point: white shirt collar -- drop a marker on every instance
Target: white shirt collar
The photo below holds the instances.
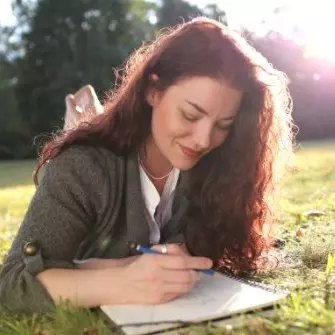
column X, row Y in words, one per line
column 150, row 194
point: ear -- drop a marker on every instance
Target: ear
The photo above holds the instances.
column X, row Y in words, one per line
column 152, row 94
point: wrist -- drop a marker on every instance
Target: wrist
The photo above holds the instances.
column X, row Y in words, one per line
column 113, row 288
column 102, row 263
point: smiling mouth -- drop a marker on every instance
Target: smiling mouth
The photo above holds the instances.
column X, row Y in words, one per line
column 189, row 152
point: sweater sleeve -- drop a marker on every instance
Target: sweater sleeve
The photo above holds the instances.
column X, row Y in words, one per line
column 61, row 214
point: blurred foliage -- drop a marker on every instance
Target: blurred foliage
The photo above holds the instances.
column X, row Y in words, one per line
column 71, row 43
column 172, row 12
column 58, row 46
column 13, row 132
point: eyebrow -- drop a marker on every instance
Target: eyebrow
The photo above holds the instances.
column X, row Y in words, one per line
column 203, row 111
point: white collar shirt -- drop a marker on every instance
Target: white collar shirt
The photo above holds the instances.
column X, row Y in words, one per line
column 158, row 209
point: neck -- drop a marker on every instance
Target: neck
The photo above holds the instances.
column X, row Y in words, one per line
column 154, row 161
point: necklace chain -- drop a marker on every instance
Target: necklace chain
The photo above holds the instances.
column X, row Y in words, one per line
column 150, row 175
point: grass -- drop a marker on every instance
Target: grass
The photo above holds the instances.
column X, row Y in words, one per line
column 16, row 189
column 306, row 222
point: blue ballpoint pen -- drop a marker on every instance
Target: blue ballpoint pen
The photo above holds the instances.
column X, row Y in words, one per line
column 146, row 250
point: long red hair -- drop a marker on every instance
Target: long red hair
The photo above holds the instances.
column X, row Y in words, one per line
column 230, row 188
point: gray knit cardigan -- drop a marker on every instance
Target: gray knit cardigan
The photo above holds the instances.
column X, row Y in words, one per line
column 88, row 204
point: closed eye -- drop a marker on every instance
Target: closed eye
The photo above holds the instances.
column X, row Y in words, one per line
column 189, row 116
column 223, row 127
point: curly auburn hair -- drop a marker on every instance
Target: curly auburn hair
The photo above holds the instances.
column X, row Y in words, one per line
column 230, row 188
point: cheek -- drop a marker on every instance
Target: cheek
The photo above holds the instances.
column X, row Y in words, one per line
column 158, row 120
column 167, row 125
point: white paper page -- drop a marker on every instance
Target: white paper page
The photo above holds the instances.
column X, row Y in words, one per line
column 208, row 299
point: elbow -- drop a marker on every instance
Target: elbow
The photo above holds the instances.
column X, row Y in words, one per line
column 21, row 292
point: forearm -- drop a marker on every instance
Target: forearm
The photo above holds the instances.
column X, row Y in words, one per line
column 102, row 263
column 83, row 288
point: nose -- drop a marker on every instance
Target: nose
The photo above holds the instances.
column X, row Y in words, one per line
column 202, row 136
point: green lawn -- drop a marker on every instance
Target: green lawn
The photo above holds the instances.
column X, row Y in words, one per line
column 309, row 185
column 16, row 189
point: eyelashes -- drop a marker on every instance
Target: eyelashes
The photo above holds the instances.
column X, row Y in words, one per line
column 223, row 128
column 193, row 118
column 188, row 117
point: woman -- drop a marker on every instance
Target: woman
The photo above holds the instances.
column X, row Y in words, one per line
column 185, row 151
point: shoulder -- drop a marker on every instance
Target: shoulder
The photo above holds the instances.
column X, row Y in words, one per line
column 75, row 154
column 86, row 161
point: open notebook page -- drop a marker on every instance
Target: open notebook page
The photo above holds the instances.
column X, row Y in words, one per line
column 210, row 298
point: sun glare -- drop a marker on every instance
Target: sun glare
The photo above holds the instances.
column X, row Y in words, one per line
column 320, row 28
column 310, row 24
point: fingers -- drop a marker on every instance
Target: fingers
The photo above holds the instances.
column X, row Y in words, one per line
column 172, row 249
column 180, row 262
column 165, row 290
column 159, row 278
column 179, row 276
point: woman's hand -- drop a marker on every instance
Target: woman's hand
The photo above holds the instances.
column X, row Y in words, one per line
column 172, row 249
column 102, row 263
column 154, row 279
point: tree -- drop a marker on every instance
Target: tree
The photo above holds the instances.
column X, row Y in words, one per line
column 71, row 43
column 172, row 12
column 13, row 135
column 214, row 12
column 58, row 46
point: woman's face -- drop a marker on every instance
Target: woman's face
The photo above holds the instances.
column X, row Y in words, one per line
column 191, row 118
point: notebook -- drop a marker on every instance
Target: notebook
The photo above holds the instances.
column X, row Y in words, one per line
column 211, row 298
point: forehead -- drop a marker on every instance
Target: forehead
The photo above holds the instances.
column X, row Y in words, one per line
column 213, row 95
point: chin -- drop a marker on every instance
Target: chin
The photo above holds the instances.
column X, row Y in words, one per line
column 184, row 165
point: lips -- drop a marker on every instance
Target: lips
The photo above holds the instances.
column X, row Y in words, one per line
column 189, row 152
